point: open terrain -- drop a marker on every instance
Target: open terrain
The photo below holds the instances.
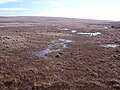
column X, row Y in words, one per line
column 46, row 53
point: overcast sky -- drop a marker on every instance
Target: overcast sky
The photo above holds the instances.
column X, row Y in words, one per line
column 89, row 9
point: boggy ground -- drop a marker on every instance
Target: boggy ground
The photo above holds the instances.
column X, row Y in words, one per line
column 83, row 65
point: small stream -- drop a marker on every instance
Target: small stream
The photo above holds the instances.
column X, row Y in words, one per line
column 91, row 34
column 54, row 46
column 110, row 45
column 82, row 33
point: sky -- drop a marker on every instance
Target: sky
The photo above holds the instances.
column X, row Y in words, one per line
column 86, row 9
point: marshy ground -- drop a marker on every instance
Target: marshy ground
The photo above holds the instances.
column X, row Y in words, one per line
column 40, row 53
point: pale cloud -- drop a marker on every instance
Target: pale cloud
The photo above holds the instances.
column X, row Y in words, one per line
column 100, row 13
column 7, row 13
column 57, row 3
column 6, row 1
column 37, row 2
column 88, row 10
column 60, row 3
column 13, row 9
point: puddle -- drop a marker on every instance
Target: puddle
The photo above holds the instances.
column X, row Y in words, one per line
column 54, row 46
column 65, row 29
column 110, row 45
column 65, row 41
column 41, row 53
column 44, row 52
column 74, row 31
column 91, row 34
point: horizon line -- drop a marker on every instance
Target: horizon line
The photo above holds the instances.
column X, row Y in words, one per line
column 58, row 17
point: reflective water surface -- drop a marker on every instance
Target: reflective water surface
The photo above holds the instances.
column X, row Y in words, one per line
column 54, row 46
column 91, row 34
column 110, row 45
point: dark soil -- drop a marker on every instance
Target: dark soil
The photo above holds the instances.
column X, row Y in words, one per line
column 83, row 65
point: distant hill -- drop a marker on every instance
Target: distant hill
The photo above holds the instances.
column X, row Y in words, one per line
column 38, row 19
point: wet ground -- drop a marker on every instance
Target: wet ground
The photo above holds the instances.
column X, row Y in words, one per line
column 38, row 53
column 55, row 46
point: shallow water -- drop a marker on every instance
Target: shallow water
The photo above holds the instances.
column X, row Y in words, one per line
column 91, row 34
column 41, row 53
column 65, row 29
column 65, row 41
column 110, row 45
column 74, row 31
column 44, row 52
column 50, row 48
